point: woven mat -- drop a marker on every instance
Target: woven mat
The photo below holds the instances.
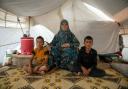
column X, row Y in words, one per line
column 15, row 78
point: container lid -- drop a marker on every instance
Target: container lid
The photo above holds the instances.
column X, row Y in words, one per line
column 26, row 37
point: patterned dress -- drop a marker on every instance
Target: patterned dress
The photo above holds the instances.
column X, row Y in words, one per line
column 65, row 57
column 40, row 56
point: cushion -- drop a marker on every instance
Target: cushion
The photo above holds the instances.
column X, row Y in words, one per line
column 120, row 67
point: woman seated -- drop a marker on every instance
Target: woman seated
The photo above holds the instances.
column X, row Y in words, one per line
column 65, row 47
column 39, row 62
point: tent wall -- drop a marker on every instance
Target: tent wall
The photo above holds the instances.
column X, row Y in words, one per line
column 39, row 30
column 10, row 38
column 105, row 34
column 81, row 19
column 83, row 22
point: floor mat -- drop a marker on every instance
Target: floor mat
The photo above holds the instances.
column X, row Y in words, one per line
column 15, row 78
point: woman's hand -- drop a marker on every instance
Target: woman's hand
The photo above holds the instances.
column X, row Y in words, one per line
column 65, row 45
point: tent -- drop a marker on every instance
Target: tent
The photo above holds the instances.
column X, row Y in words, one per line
column 105, row 20
column 102, row 19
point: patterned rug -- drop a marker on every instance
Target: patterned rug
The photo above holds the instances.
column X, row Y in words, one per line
column 15, row 78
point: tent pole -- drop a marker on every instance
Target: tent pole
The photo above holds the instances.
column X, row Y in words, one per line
column 5, row 19
column 29, row 23
column 20, row 25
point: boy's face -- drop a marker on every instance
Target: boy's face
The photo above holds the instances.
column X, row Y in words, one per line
column 88, row 43
column 39, row 43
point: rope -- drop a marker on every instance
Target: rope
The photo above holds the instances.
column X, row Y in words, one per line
column 9, row 44
column 20, row 25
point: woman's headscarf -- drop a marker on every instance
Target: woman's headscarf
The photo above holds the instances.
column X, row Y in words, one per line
column 61, row 31
column 64, row 36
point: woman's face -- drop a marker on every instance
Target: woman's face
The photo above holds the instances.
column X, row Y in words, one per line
column 39, row 43
column 64, row 26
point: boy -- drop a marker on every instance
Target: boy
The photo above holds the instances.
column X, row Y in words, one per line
column 87, row 59
column 38, row 64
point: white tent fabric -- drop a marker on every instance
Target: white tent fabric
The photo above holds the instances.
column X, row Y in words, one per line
column 10, row 35
column 83, row 22
column 116, row 9
column 10, row 39
column 40, row 30
column 125, row 40
column 49, row 13
column 105, row 34
column 30, row 7
column 125, row 49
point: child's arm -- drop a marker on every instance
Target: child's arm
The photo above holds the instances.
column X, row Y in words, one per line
column 30, row 63
column 94, row 59
column 45, row 58
column 46, row 53
column 33, row 54
column 30, row 66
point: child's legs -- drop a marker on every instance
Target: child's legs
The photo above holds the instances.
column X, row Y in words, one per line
column 26, row 68
column 40, row 69
column 43, row 68
column 36, row 69
column 95, row 72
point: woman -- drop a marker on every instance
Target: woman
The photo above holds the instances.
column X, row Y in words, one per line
column 65, row 47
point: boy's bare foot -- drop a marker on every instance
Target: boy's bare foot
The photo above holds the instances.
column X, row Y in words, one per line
column 42, row 72
column 79, row 73
column 27, row 74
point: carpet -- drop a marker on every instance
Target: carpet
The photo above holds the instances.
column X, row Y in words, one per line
column 15, row 78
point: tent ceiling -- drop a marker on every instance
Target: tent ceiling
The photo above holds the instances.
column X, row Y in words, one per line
column 30, row 7
column 118, row 9
column 109, row 6
column 39, row 7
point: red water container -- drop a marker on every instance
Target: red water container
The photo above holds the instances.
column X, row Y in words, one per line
column 27, row 45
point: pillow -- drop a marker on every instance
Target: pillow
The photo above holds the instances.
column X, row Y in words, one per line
column 120, row 67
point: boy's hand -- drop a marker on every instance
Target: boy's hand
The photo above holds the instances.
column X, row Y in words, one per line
column 89, row 70
column 85, row 71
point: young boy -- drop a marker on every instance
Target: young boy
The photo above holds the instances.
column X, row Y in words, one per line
column 87, row 59
column 38, row 64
